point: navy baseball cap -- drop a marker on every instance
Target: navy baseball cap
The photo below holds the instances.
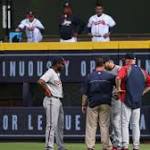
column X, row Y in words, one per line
column 56, row 60
column 129, row 56
column 107, row 59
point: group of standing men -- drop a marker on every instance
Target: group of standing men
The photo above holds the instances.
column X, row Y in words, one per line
column 99, row 26
column 113, row 95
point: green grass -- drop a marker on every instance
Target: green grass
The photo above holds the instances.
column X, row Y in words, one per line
column 40, row 146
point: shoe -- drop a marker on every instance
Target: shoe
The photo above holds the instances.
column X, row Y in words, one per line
column 135, row 149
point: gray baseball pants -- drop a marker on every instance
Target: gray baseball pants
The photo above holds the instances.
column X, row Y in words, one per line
column 116, row 123
column 132, row 115
column 54, row 122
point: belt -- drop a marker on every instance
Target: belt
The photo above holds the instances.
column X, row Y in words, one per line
column 97, row 36
column 56, row 97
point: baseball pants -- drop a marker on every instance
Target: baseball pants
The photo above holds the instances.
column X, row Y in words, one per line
column 100, row 39
column 116, row 123
column 54, row 122
column 132, row 115
column 34, row 36
column 99, row 114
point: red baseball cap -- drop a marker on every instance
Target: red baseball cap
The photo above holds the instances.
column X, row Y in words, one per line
column 30, row 14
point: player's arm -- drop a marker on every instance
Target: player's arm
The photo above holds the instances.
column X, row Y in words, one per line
column 21, row 26
column 147, row 83
column 84, row 92
column 84, row 103
column 147, row 89
column 89, row 31
column 111, row 24
column 118, row 84
column 44, row 87
column 122, row 73
column 89, row 25
column 43, row 83
column 39, row 25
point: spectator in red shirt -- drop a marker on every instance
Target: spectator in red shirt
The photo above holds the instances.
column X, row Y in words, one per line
column 132, row 82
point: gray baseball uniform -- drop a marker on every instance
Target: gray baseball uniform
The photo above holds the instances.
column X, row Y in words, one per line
column 116, row 115
column 54, row 110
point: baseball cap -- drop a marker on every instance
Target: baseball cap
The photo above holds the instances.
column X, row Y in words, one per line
column 129, row 56
column 56, row 60
column 30, row 14
column 107, row 59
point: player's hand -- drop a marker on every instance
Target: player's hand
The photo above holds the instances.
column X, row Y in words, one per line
column 84, row 108
column 115, row 94
column 106, row 35
column 119, row 91
column 30, row 28
column 47, row 93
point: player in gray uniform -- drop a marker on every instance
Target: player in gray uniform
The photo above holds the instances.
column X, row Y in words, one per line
column 116, row 108
column 52, row 86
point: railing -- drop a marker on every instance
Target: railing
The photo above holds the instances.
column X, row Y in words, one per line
column 85, row 37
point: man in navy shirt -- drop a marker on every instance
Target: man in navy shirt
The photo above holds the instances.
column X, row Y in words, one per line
column 69, row 26
column 96, row 101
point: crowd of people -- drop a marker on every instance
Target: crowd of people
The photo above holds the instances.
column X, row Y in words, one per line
column 99, row 26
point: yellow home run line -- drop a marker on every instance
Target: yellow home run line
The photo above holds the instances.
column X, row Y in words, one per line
column 75, row 46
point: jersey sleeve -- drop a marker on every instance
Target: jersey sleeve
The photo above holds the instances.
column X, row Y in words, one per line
column 147, row 79
column 111, row 22
column 47, row 75
column 122, row 73
column 39, row 24
column 89, row 25
column 22, row 24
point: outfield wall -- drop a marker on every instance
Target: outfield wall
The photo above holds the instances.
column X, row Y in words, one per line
column 26, row 62
column 78, row 46
column 18, row 123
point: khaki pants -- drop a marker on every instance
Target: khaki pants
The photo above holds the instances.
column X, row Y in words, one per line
column 99, row 114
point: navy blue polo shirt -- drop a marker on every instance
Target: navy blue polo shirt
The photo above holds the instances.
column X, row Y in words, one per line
column 98, row 86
